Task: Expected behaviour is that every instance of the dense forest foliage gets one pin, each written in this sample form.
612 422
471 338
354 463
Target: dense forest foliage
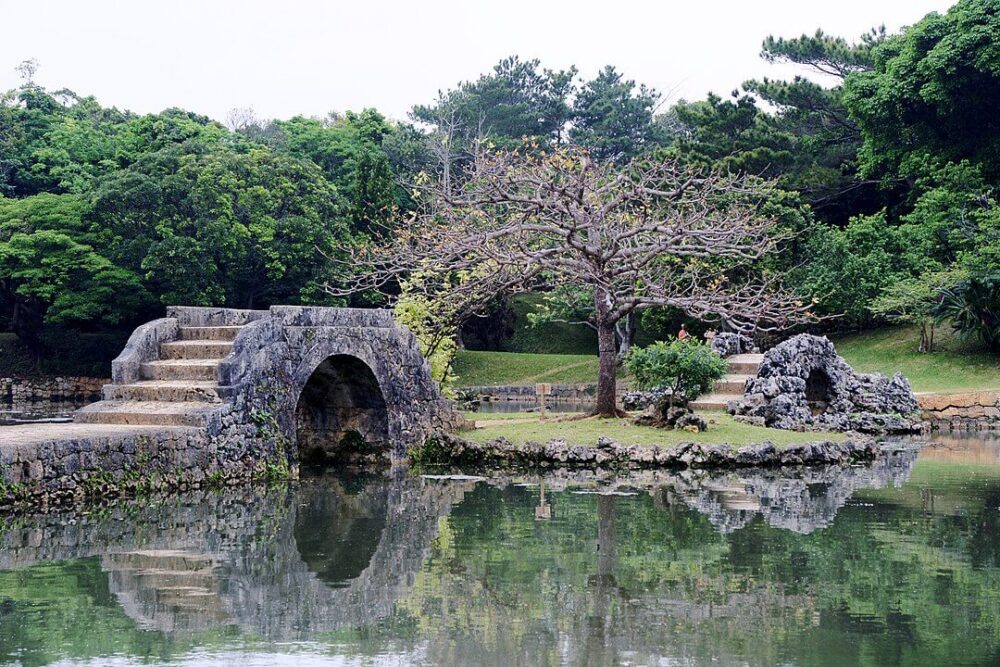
887 156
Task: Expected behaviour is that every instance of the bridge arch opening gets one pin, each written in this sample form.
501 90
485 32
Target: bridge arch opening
341 413
338 527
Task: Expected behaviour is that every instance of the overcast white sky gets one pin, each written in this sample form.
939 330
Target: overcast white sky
310 56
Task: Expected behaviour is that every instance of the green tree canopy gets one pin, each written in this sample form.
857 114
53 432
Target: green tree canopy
933 91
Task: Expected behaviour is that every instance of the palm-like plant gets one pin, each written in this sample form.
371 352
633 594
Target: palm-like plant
973 306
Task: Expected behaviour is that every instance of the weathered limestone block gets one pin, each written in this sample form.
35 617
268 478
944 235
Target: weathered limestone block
728 344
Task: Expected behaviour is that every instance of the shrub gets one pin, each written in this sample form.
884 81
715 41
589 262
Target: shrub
685 367
973 306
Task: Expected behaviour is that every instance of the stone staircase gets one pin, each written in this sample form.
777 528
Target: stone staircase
167 590
180 388
741 367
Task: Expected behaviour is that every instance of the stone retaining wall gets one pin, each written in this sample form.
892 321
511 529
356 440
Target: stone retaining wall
23 394
526 392
60 463
965 411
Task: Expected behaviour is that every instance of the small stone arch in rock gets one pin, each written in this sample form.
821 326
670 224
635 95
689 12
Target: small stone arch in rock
819 391
341 407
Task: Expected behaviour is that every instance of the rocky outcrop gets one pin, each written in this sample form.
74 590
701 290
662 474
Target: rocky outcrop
640 400
664 415
802 384
728 344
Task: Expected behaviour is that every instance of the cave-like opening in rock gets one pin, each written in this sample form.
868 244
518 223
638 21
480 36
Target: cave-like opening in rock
341 412
819 391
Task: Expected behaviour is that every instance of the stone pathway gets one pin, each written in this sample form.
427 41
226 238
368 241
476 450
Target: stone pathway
32 435
741 368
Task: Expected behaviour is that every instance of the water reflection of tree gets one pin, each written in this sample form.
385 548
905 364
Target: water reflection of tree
647 576
603 587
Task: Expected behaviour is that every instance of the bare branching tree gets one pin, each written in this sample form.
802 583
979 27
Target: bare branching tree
241 119
651 233
26 70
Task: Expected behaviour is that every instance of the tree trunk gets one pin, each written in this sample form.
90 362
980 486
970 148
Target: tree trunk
926 338
625 331
608 362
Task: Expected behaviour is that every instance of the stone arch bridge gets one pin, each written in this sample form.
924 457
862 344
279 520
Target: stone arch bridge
307 377
208 391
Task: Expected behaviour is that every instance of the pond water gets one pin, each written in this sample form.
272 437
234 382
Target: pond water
896 564
532 406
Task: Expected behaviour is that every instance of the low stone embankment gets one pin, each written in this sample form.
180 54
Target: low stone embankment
451 449
964 411
56 464
25 394
527 392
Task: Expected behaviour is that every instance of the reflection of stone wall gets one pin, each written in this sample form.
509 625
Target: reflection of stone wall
964 411
963 447
36 394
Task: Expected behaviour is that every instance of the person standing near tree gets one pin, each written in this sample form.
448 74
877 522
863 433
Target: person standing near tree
683 334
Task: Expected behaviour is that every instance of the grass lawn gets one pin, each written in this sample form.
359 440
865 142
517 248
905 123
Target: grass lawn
587 431
952 366
548 337
493 368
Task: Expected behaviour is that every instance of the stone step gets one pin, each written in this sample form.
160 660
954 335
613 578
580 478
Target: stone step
714 401
172 391
210 333
195 349
744 364
146 413
731 384
180 369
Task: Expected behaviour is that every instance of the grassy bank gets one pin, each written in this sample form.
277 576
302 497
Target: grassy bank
724 429
953 366
493 368
549 337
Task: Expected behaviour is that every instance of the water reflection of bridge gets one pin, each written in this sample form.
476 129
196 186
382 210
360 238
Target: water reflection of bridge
335 553
283 564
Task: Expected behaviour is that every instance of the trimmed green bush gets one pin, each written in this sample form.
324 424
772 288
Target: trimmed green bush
686 367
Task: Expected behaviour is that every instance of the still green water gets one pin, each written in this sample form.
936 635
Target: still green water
898 564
